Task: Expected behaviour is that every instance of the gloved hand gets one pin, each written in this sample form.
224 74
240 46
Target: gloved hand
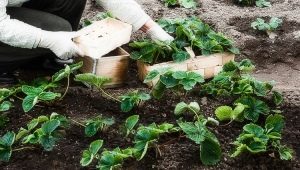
61 44
157 33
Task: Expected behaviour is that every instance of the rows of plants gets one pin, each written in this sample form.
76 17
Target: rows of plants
255 105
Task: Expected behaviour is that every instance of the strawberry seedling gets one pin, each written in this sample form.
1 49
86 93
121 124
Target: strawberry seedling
91 153
175 80
256 139
261 25
132 99
99 123
184 3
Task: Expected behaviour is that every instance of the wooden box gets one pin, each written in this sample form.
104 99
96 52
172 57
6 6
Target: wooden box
207 66
114 65
103 56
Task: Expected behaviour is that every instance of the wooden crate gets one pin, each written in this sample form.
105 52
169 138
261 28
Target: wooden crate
113 65
207 66
103 56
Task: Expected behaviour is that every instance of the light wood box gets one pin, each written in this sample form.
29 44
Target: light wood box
207 66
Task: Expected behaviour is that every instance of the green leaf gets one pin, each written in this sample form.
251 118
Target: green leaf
158 90
8 139
151 76
92 79
76 66
224 113
91 129
48 96
86 158
50 126
47 142
182 107
210 152
5 106
274 123
64 73
188 3
194 131
254 108
131 122
180 56
95 146
277 98
31 91
29 102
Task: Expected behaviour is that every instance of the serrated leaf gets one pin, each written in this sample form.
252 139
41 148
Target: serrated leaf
95 146
224 113
92 79
50 126
131 122
275 123
29 102
277 98
48 96
210 152
181 108
47 142
31 91
195 132
5 106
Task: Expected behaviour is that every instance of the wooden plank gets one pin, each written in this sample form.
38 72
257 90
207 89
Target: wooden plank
227 57
218 69
209 72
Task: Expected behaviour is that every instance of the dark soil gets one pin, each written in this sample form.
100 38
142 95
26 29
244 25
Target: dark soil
276 60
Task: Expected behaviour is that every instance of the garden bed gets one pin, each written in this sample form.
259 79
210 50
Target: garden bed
176 153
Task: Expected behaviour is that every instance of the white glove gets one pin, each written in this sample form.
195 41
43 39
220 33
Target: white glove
157 33
61 44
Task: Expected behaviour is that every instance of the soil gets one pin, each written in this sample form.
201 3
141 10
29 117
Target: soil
277 60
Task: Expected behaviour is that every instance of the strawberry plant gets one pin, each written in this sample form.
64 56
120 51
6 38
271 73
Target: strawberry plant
130 123
132 99
153 52
89 154
44 130
6 142
258 3
148 136
256 139
261 25
184 3
174 80
198 35
96 124
227 113
210 149
128 101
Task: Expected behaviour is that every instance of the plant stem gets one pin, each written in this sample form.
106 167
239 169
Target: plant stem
227 123
78 123
108 95
67 88
23 148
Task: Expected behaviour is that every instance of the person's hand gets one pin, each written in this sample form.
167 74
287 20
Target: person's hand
157 33
61 44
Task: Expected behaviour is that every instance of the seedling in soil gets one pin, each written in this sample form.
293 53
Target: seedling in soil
6 142
130 123
91 153
192 32
177 81
256 139
258 3
148 136
227 113
153 52
99 123
128 101
261 25
44 130
210 149
132 99
184 3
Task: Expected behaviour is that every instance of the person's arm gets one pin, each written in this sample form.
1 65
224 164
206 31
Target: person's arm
131 12
19 34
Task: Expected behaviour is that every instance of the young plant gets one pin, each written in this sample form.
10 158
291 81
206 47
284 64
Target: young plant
44 130
148 136
6 142
130 123
258 3
261 25
227 113
256 139
132 99
183 108
210 149
99 123
114 159
91 153
152 52
41 92
174 80
184 3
